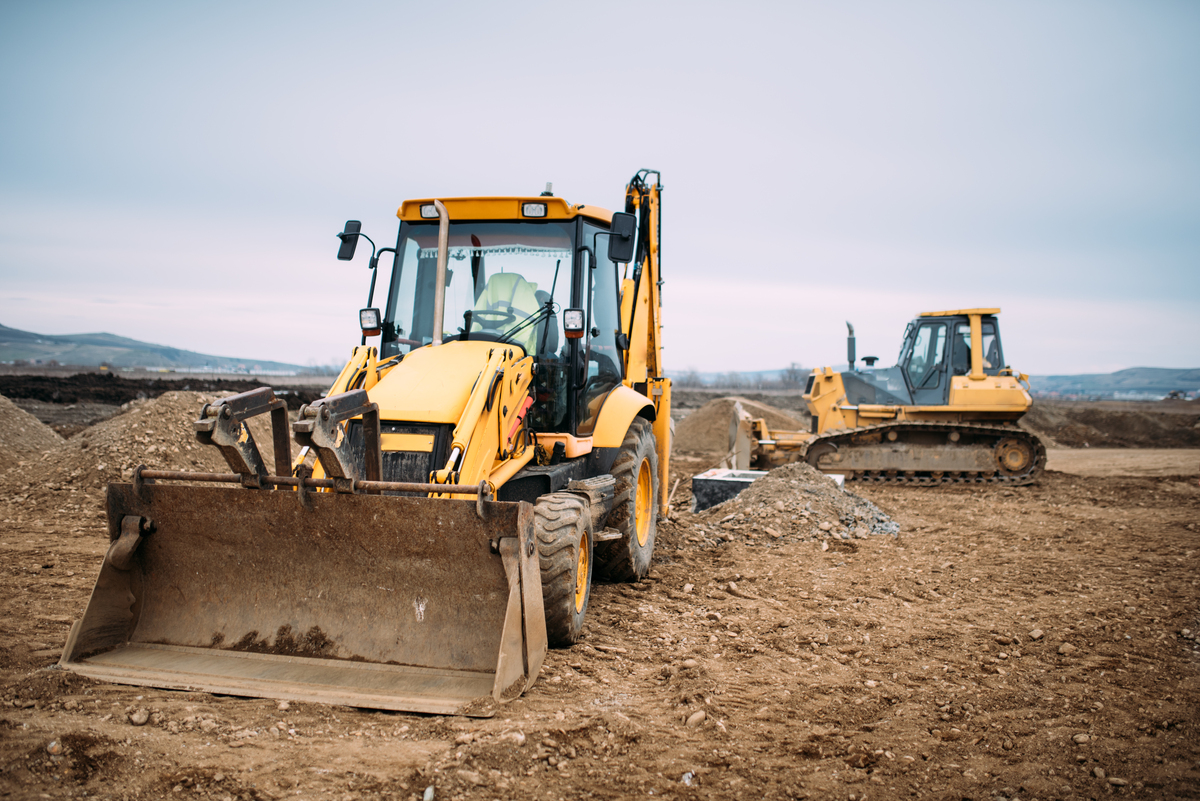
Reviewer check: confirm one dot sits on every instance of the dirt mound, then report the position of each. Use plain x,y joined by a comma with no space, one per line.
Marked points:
156,432
115,390
706,430
1112,425
790,504
23,436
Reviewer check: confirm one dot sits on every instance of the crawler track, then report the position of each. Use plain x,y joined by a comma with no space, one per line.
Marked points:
972,434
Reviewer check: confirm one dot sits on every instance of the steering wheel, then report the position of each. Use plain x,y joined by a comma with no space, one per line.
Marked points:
494,318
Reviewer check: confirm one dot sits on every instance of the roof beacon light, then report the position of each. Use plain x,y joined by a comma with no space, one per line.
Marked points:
429,211
533,209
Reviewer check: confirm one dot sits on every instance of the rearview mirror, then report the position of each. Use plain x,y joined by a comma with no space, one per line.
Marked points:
349,239
620,243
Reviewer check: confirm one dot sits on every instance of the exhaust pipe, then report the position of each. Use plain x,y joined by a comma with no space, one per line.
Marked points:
850,345
439,293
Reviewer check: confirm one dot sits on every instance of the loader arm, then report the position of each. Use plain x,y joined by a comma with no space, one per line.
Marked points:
641,316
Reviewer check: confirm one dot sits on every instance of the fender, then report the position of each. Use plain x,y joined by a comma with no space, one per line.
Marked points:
620,407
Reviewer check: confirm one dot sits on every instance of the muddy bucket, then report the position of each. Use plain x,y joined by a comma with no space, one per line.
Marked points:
416,604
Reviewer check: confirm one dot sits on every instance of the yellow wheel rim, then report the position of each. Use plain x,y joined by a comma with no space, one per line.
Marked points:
643,507
581,574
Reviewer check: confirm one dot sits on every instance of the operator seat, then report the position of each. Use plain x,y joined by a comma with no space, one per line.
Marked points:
508,293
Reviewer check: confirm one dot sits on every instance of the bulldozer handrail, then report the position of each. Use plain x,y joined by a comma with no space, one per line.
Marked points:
315,483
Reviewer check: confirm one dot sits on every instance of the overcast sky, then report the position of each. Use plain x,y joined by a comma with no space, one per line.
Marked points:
176,172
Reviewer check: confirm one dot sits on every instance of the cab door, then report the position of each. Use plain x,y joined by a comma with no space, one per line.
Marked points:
925,365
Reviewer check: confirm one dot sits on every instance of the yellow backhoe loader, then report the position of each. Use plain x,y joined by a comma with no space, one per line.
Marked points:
947,412
504,439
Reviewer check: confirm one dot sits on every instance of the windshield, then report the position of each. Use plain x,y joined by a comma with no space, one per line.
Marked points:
503,273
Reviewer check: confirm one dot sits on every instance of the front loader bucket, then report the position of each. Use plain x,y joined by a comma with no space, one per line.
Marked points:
374,601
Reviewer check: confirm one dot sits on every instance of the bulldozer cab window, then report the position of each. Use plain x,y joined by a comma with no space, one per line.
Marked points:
504,273
603,369
960,359
925,357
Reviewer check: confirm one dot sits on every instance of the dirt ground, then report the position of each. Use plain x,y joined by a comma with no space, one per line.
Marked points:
1029,642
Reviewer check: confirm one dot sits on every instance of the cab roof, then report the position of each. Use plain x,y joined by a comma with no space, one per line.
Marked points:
502,208
958,312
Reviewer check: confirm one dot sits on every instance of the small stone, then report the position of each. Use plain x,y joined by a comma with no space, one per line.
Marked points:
428,796
689,664
139,717
1081,738
696,718
207,725
871,683
713,616
464,738
1131,610
1098,773
824,545
283,706
733,586
689,587
54,748
1115,782
1036,634
1066,649
772,532
518,737
825,525
218,777
470,776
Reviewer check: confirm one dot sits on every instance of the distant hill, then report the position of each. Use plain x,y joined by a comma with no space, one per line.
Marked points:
1133,382
90,350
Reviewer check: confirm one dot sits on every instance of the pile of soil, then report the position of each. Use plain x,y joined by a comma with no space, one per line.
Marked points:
707,429
23,436
792,503
1115,425
156,432
115,390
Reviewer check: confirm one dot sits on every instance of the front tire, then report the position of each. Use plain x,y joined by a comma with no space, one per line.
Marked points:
635,507
564,542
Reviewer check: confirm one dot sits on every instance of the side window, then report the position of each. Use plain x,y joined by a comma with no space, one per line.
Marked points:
929,350
603,367
993,360
960,351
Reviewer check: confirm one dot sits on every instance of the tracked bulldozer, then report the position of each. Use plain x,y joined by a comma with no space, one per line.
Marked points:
947,412
499,438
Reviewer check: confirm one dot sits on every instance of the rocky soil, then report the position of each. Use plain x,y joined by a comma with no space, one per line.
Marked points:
928,642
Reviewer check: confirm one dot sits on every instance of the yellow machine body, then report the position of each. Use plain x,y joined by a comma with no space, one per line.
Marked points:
453,493
946,412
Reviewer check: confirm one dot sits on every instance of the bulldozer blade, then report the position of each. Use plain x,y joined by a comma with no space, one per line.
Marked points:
412,604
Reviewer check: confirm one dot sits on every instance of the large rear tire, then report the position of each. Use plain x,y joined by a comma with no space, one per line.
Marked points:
635,507
564,542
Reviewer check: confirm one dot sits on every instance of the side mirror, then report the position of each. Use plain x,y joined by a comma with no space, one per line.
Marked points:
349,239
620,243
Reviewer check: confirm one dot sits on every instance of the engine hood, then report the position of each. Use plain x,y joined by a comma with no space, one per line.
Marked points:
432,384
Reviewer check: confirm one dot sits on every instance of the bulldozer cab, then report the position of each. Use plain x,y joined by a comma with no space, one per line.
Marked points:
938,346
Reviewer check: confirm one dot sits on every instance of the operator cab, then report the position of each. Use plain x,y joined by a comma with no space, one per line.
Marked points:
937,347
516,270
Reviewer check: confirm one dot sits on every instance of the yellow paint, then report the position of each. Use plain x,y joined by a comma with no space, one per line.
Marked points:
620,407
660,393
573,447
432,384
956,312
501,208
997,393
415,443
